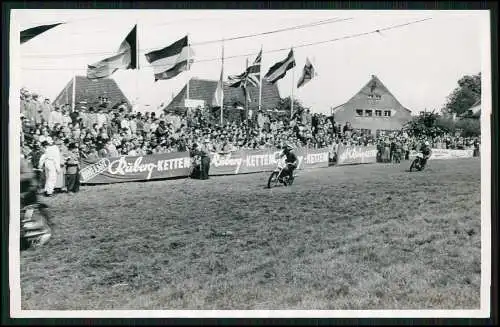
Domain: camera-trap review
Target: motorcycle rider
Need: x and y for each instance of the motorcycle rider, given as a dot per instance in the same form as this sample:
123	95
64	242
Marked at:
425	149
28	183
291	161
32	228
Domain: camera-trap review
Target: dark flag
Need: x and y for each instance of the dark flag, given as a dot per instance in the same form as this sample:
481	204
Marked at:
279	69
30	33
307	74
171	60
125	58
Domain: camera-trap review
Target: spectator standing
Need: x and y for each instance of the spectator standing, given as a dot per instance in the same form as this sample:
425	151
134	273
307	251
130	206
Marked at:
72	170
101	118
51	165
205	159
46	109
56	117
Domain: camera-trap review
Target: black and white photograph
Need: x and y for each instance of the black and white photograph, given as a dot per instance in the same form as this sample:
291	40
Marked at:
249	163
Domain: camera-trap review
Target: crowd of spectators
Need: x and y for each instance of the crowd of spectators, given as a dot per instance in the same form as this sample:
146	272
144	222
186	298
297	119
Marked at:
100	131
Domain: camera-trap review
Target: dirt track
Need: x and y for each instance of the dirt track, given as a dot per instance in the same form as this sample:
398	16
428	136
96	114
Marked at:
352	237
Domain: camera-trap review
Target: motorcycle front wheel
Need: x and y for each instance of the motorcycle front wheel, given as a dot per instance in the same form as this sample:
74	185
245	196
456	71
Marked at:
415	165
273	179
35	227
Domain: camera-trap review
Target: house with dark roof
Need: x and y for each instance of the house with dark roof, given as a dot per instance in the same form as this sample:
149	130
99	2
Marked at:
234	98
373	109
473	112
88	92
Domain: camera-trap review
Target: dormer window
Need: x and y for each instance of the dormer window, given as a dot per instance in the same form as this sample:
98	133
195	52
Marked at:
387	113
378	113
359	112
368	113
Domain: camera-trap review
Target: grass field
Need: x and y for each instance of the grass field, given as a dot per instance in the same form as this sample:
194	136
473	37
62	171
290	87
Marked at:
352	237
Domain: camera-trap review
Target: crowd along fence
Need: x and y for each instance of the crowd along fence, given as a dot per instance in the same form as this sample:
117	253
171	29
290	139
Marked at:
178	164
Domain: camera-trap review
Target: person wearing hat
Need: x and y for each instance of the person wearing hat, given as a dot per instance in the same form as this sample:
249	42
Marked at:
205	159
72	169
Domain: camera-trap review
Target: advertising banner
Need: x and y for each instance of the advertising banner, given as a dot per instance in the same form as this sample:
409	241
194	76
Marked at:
135	168
446	154
349	155
253	161
450	154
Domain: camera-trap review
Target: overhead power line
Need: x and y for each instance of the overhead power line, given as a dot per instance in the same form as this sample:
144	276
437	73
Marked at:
296	27
351	36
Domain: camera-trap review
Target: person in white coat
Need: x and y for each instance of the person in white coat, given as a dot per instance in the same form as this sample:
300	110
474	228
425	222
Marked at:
50	162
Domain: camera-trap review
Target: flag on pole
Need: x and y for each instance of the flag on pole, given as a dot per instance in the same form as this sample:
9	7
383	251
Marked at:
30	33
250	77
171	60
279	69
125	58
307	74
247	95
217	100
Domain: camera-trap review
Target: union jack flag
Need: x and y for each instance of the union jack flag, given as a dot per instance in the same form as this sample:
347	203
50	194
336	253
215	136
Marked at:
251	77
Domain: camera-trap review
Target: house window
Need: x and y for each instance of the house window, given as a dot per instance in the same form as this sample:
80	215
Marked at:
359	112
377	96
378	113
368	113
387	113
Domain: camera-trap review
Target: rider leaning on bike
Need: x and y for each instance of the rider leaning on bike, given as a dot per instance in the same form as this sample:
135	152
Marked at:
425	149
291	161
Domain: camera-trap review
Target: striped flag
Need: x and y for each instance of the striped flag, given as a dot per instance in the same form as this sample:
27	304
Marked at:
279	69
250	77
307	74
30	33
171	60
125	58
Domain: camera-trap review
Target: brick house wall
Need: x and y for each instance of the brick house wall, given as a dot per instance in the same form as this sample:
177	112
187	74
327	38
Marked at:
373	109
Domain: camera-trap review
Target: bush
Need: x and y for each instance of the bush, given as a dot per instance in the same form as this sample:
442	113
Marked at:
469	127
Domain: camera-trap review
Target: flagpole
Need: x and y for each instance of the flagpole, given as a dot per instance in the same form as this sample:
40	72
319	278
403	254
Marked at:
246	93
293	86
260	81
222	87
137	95
73	96
188	67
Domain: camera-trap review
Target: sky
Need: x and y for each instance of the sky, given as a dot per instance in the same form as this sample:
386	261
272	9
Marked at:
420	63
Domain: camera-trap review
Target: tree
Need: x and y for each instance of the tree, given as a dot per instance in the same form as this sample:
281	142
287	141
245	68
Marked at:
427	124
285	106
465	95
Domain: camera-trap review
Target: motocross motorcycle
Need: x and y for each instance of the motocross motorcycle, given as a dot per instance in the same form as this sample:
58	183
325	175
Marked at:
418	164
276	177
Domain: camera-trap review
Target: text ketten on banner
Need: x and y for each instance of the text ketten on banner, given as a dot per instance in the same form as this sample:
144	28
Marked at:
253	161
135	168
349	155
